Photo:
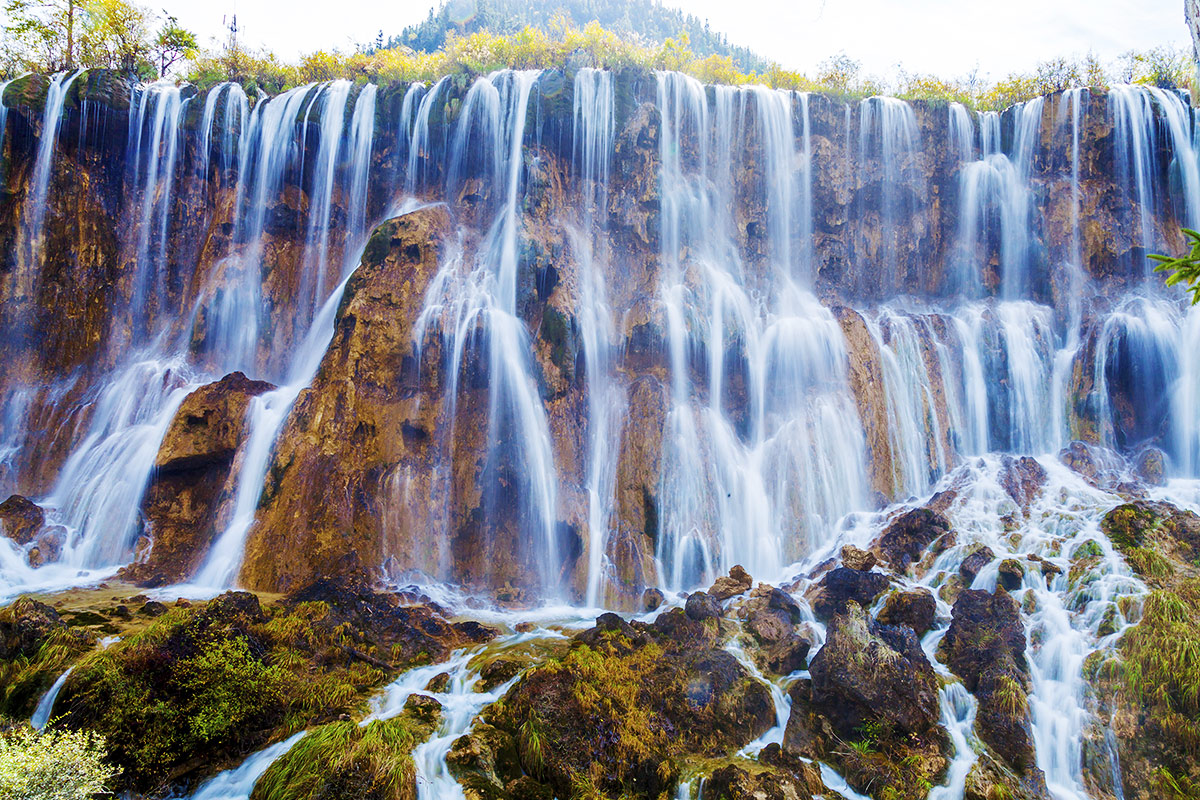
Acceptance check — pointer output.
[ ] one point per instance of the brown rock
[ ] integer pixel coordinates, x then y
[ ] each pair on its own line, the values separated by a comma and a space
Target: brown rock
916, 609
1012, 573
1022, 478
854, 558
974, 562
652, 599
906, 537
735, 583
21, 519
193, 480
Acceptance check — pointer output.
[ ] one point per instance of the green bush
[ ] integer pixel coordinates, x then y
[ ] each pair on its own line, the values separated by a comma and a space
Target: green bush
56, 765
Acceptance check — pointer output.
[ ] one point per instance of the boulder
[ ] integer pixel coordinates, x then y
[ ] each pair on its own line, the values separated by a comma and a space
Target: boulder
21, 519
735, 583
832, 594
908, 535
916, 609
985, 646
1022, 479
854, 558
977, 558
652, 599
701, 606
1151, 466
1012, 574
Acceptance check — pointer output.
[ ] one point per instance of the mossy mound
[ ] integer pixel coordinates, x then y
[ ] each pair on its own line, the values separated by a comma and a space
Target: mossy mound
36, 646
346, 761
617, 715
1148, 692
202, 687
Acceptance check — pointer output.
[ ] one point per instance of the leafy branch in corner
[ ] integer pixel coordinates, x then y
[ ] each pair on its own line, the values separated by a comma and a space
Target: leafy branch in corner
1184, 269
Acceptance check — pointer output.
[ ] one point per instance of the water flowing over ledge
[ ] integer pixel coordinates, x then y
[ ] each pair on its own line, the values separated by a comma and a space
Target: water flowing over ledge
554, 338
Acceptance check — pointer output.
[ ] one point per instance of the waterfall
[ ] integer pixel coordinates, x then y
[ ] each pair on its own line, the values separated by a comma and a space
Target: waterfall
45, 706
844, 305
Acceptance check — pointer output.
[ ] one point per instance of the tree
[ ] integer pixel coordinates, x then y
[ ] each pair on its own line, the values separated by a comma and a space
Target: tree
1184, 269
117, 35
173, 44
40, 34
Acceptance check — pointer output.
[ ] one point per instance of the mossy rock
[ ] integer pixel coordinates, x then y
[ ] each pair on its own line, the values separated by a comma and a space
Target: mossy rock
617, 714
347, 761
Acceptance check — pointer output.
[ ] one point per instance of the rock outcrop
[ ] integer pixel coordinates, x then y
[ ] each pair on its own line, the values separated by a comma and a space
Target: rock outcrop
191, 485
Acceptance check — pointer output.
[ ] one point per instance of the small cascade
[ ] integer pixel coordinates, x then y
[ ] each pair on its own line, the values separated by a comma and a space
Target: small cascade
43, 167
45, 706
99, 490
591, 149
332, 98
154, 165
1141, 115
888, 150
238, 783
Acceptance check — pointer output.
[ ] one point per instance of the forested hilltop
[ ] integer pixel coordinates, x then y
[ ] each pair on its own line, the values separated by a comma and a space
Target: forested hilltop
477, 37
648, 21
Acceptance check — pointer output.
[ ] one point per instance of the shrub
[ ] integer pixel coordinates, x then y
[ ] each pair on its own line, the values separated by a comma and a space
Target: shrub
56, 765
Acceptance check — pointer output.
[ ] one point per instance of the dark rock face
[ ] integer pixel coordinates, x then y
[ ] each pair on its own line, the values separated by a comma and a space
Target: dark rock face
1022, 478
974, 563
985, 646
834, 592
916, 609
908, 535
866, 670
617, 710
190, 486
21, 519
871, 683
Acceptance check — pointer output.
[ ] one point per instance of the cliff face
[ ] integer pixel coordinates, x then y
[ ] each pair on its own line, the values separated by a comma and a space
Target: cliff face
600, 354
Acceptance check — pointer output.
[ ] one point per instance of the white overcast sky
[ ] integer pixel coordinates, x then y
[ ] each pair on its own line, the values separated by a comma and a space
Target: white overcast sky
944, 37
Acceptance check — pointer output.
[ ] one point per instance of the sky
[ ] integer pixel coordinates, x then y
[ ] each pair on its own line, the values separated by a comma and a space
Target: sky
949, 38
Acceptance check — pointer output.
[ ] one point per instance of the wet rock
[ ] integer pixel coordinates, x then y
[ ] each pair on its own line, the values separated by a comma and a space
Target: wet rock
438, 683
854, 558
870, 398
985, 646
423, 707
623, 710
701, 606
799, 781
978, 558
865, 670
871, 686
832, 594
1150, 466
916, 609
1022, 478
652, 599
1012, 574
152, 608
735, 583
908, 535
1048, 568
21, 519
190, 484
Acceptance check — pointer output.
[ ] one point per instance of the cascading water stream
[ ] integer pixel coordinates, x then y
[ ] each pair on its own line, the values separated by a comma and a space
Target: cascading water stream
767, 442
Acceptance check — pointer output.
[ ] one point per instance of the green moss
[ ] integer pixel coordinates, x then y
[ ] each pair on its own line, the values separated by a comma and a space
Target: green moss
343, 759
207, 685
1160, 665
1127, 525
24, 679
1089, 549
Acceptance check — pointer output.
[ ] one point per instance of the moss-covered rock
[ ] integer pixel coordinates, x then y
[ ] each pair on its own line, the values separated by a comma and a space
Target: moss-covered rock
870, 709
203, 686
346, 761
617, 714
